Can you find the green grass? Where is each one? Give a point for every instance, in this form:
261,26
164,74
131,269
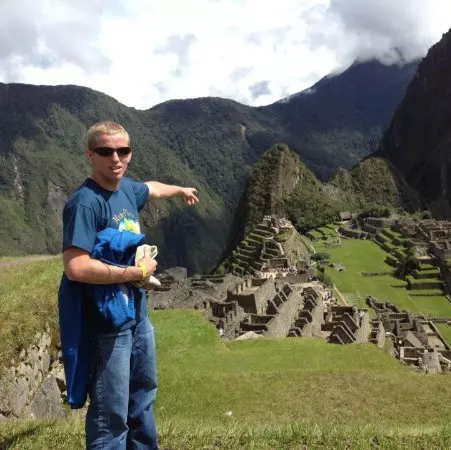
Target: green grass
328,230
7,258
425,267
432,271
445,330
233,436
364,256
316,234
28,293
284,380
282,393
283,235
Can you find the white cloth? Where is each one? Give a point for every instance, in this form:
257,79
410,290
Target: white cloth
142,252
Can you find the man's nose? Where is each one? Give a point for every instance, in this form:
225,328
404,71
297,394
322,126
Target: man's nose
115,156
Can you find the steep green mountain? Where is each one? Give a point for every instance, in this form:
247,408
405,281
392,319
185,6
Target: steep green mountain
41,162
418,141
210,143
280,184
373,183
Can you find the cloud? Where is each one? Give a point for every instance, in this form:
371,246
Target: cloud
48,34
239,73
386,29
259,89
143,52
179,45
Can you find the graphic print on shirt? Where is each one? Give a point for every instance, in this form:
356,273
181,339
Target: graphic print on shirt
126,221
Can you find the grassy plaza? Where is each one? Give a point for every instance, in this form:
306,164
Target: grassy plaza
359,256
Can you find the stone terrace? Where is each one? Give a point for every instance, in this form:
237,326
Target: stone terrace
416,341
261,254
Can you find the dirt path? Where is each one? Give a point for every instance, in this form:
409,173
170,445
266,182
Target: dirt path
25,259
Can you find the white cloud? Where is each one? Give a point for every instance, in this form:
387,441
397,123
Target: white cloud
143,52
378,28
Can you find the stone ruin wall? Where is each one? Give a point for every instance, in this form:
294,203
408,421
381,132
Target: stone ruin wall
416,341
34,386
310,317
255,301
280,325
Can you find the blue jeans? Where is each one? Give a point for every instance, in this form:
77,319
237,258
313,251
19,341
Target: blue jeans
123,389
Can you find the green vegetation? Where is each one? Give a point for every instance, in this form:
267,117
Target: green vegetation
374,187
364,256
321,257
210,143
28,293
263,381
310,205
445,330
280,183
70,436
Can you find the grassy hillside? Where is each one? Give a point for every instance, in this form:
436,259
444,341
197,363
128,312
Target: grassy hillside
272,393
28,293
276,393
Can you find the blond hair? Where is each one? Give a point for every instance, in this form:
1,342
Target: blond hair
104,128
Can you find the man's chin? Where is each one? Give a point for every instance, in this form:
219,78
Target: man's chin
117,175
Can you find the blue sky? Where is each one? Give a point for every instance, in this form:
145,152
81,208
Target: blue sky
144,52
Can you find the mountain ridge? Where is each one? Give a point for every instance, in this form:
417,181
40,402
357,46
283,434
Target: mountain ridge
207,142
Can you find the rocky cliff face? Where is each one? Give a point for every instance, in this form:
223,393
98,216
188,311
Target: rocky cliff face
418,141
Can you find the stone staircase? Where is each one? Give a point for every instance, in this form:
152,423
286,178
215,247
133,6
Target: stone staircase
256,249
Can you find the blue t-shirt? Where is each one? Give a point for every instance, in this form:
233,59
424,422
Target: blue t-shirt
91,209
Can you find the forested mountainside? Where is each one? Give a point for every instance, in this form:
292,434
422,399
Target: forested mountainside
210,143
280,184
373,183
418,141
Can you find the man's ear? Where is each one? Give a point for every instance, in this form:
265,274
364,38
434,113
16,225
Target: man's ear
89,157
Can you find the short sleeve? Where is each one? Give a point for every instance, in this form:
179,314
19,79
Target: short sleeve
141,191
79,227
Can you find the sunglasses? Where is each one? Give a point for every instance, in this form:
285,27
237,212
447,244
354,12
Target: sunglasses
108,151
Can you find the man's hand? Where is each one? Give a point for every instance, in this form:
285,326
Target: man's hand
149,263
161,190
189,195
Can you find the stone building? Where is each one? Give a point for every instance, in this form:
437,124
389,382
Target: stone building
416,341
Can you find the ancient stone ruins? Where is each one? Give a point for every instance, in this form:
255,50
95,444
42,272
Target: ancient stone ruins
270,291
416,341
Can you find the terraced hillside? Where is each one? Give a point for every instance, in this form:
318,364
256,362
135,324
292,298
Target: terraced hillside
267,247
366,272
255,250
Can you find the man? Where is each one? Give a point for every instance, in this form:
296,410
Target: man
123,378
